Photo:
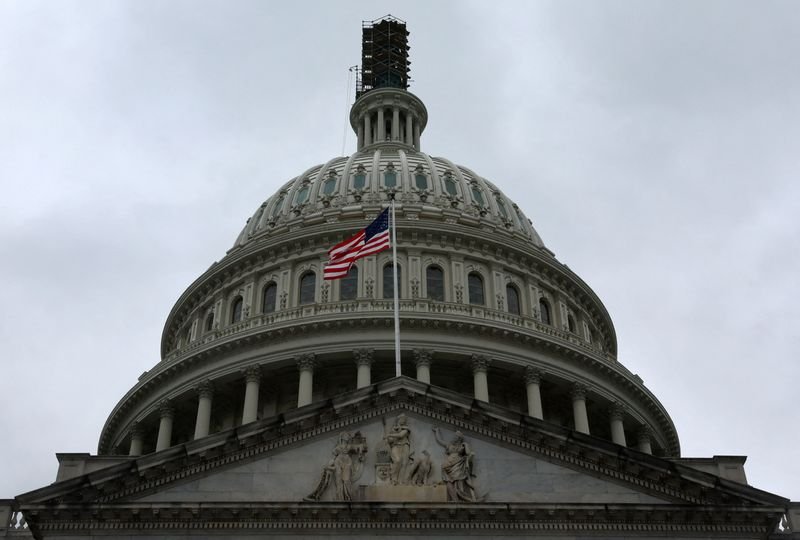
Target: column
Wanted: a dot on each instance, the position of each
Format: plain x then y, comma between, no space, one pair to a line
395,123
480,365
644,440
579,408
615,415
367,129
252,377
363,359
305,389
167,413
381,131
136,440
409,129
205,391
533,378
423,359
416,136
360,136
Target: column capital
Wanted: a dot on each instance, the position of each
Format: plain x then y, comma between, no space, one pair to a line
644,434
423,357
252,374
136,430
532,375
205,389
166,409
616,411
363,357
578,391
305,361
480,362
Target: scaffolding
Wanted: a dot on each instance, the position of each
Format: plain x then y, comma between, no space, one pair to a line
384,55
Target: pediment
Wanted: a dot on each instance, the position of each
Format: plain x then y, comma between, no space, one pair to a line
516,459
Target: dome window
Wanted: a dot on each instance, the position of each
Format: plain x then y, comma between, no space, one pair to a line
475,286
329,185
268,297
544,312
209,324
450,184
278,206
360,178
302,194
390,176
512,299
308,286
434,277
236,310
477,196
571,323
348,287
420,179
388,280
501,207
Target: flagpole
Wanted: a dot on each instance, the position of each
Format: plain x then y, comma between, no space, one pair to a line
397,370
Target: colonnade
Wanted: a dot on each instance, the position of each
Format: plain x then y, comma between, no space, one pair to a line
363,359
406,134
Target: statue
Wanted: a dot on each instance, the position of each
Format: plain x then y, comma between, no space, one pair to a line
421,470
457,468
344,468
399,440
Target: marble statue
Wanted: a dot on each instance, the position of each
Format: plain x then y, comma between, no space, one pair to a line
457,468
344,467
399,440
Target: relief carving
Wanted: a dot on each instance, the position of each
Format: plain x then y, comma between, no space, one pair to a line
399,440
344,468
458,468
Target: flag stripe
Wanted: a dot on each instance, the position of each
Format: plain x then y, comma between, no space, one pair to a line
370,240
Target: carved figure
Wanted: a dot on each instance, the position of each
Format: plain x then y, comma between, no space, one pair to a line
457,468
399,440
421,470
344,468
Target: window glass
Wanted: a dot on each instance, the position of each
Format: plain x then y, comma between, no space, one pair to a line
308,285
477,196
209,322
571,323
329,186
388,280
435,281
450,185
278,206
359,181
544,310
348,287
475,286
421,181
268,299
302,194
390,179
502,209
236,310
512,297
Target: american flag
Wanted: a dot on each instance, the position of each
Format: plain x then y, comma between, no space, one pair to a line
373,239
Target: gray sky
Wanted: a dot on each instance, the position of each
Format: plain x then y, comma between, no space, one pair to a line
655,145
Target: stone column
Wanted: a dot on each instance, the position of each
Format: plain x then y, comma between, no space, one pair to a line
416,136
409,129
533,378
252,377
136,440
615,415
423,359
305,390
480,365
395,123
644,440
367,129
381,131
360,136
167,412
205,392
579,408
363,359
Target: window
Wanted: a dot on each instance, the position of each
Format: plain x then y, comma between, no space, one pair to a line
477,196
450,185
302,194
512,298
268,297
475,286
390,178
571,323
544,311
348,287
421,181
308,286
278,206
329,185
388,280
359,181
236,310
209,325
187,336
435,282
502,209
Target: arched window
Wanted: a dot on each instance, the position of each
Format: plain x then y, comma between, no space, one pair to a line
388,281
268,297
450,185
329,185
187,336
435,281
209,324
360,178
302,195
512,299
502,208
278,206
236,310
390,178
544,311
421,180
308,286
348,287
475,286
477,196
571,323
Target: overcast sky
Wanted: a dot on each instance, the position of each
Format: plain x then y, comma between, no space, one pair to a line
655,145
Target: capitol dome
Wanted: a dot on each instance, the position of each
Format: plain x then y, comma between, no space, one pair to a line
485,309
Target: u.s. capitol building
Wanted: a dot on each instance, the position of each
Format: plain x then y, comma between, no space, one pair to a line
275,409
